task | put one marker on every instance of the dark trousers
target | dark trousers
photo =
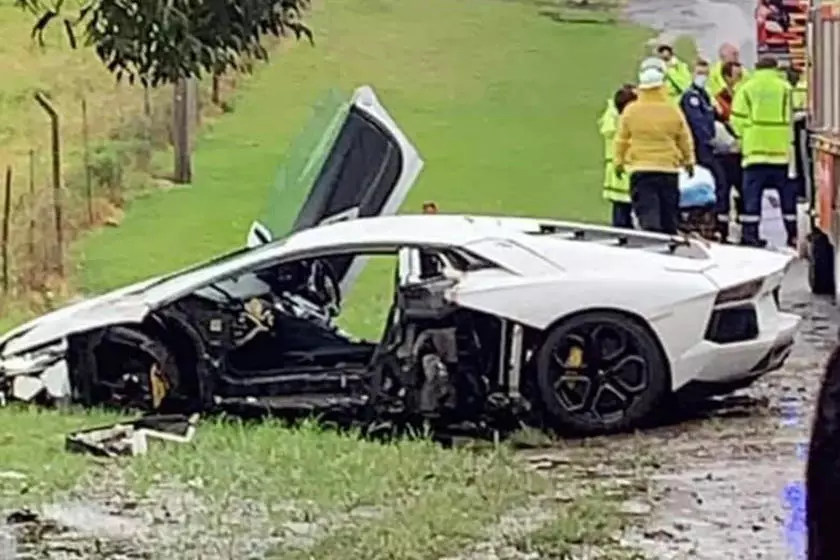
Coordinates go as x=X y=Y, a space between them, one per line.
x=734 y=172
x=722 y=188
x=757 y=178
x=656 y=200
x=622 y=215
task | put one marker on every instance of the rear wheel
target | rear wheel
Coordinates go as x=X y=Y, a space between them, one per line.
x=821 y=264
x=600 y=372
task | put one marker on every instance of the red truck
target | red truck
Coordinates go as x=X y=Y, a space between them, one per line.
x=819 y=149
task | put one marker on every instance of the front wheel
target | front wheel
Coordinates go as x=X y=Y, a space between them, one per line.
x=600 y=372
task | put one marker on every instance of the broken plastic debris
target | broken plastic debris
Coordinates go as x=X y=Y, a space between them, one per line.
x=25 y=387
x=132 y=438
x=56 y=380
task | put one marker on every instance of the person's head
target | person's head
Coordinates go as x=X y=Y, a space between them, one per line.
x=732 y=72
x=767 y=63
x=624 y=96
x=651 y=73
x=665 y=52
x=729 y=53
x=701 y=72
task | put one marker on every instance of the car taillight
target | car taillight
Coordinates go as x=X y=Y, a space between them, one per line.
x=739 y=292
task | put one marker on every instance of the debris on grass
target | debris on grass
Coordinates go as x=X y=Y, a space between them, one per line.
x=132 y=438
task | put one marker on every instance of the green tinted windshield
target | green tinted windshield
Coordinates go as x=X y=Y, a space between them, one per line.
x=303 y=161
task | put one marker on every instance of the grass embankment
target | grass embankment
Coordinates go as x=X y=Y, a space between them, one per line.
x=502 y=103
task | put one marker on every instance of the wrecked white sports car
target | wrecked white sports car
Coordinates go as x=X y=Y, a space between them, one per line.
x=588 y=328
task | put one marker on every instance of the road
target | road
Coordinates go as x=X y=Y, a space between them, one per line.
x=730 y=485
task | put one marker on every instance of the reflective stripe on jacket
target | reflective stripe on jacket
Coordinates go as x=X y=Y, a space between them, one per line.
x=615 y=189
x=761 y=116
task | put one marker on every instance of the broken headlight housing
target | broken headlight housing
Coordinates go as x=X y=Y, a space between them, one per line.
x=32 y=362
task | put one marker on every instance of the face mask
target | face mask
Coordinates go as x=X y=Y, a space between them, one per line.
x=700 y=80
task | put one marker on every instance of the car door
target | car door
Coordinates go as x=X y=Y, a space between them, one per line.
x=351 y=161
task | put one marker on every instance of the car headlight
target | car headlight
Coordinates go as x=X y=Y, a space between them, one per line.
x=740 y=292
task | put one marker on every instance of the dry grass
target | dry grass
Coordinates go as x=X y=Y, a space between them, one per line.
x=128 y=142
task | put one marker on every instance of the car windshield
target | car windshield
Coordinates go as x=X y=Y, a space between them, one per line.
x=303 y=161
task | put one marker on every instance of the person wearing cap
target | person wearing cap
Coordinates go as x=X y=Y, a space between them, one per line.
x=677 y=72
x=652 y=143
x=761 y=117
x=616 y=191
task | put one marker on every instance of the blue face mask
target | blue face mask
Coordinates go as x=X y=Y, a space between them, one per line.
x=700 y=80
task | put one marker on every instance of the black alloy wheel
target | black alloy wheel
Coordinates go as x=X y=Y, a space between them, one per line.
x=599 y=373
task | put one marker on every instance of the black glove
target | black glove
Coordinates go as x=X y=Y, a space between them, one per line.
x=619 y=171
x=689 y=170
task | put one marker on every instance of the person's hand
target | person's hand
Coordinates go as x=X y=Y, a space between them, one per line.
x=689 y=170
x=619 y=171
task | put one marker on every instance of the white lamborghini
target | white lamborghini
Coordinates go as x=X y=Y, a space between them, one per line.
x=588 y=328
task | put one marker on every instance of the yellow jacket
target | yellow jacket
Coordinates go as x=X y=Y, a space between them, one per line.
x=716 y=82
x=653 y=135
x=615 y=189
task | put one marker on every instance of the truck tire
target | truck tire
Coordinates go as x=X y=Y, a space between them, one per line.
x=820 y=264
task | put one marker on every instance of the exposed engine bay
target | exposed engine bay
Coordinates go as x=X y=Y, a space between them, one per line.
x=267 y=340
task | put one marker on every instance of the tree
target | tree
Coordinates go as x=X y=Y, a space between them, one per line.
x=161 y=41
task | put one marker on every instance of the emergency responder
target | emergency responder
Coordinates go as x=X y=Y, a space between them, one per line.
x=616 y=190
x=727 y=149
x=677 y=73
x=717 y=81
x=761 y=116
x=799 y=103
x=697 y=107
x=652 y=143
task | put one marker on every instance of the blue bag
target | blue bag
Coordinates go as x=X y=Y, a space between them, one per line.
x=697 y=191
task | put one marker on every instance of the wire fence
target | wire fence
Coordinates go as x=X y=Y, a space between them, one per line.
x=75 y=179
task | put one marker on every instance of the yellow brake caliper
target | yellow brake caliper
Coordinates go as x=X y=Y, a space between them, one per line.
x=573 y=360
x=160 y=386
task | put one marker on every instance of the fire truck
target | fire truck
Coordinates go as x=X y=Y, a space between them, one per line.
x=818 y=149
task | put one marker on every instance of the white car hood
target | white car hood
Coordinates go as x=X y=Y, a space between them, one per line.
x=120 y=306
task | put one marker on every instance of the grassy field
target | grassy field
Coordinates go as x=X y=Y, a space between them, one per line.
x=502 y=103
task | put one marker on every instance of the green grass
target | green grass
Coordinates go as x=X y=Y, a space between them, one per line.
x=502 y=103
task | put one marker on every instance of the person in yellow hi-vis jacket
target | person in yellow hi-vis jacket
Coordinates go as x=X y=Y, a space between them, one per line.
x=616 y=190
x=761 y=117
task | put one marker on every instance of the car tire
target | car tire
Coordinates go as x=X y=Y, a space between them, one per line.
x=629 y=373
x=161 y=360
x=821 y=264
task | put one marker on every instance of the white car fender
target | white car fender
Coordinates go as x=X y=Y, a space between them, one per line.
x=676 y=311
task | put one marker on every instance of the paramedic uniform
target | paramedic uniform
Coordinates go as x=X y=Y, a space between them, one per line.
x=761 y=116
x=700 y=115
x=616 y=189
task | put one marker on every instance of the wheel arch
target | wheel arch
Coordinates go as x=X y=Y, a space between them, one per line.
x=186 y=346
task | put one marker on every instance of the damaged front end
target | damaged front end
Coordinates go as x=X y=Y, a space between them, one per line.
x=40 y=374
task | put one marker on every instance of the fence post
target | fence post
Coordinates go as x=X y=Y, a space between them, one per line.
x=30 y=240
x=7 y=214
x=88 y=180
x=56 y=176
x=181 y=129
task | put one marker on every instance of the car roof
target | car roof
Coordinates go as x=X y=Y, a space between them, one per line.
x=405 y=229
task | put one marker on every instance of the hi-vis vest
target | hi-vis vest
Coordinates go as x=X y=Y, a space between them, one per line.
x=615 y=189
x=761 y=116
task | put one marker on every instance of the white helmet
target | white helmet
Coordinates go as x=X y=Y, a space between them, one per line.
x=651 y=73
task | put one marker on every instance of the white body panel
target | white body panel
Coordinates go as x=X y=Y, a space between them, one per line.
x=540 y=279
